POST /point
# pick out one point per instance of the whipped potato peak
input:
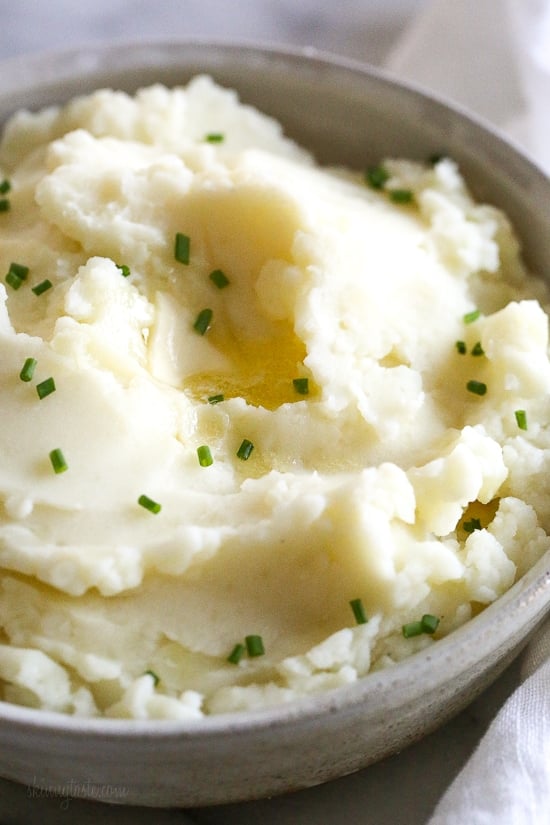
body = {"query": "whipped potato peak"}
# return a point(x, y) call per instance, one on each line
point(266, 426)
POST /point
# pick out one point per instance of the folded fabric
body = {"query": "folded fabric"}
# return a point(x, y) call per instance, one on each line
point(507, 780)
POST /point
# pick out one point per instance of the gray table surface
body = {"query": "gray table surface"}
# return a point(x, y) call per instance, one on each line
point(403, 789)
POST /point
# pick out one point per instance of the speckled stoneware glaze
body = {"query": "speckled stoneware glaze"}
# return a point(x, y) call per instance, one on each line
point(346, 114)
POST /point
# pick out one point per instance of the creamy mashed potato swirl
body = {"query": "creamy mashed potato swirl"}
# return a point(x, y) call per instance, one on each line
point(265, 427)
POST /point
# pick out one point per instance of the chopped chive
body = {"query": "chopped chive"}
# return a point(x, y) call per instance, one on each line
point(45, 388)
point(461, 347)
point(43, 286)
point(16, 275)
point(27, 371)
point(254, 645)
point(153, 675)
point(214, 137)
point(469, 317)
point(203, 321)
point(219, 278)
point(215, 399)
point(412, 629)
point(148, 504)
point(401, 196)
point(182, 248)
point(13, 280)
point(477, 387)
point(376, 177)
point(477, 349)
point(429, 623)
point(5, 186)
point(245, 450)
point(521, 419)
point(204, 456)
point(124, 269)
point(19, 269)
point(471, 525)
point(301, 385)
point(4, 205)
point(236, 654)
point(358, 611)
point(58, 461)
point(436, 158)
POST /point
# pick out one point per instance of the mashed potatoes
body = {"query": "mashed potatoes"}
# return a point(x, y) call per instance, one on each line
point(265, 426)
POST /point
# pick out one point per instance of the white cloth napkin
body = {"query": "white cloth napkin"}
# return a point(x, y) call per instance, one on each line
point(493, 57)
point(507, 780)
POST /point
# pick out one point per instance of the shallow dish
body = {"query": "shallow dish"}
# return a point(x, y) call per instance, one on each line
point(346, 114)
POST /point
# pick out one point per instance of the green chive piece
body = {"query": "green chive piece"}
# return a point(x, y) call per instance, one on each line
point(412, 629)
point(236, 654)
point(521, 419)
point(124, 269)
point(58, 461)
point(27, 371)
point(153, 675)
point(182, 248)
point(4, 205)
point(477, 349)
point(19, 269)
point(148, 504)
point(215, 399)
point(477, 387)
point(16, 275)
point(5, 186)
point(469, 317)
point(13, 280)
point(377, 177)
point(204, 456)
point(471, 525)
point(254, 645)
point(43, 286)
point(429, 623)
point(219, 278)
point(214, 137)
point(358, 611)
point(461, 347)
point(203, 321)
point(245, 450)
point(401, 196)
point(301, 385)
point(45, 388)
point(436, 158)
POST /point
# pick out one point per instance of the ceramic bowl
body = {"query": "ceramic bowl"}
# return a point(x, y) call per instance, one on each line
point(347, 114)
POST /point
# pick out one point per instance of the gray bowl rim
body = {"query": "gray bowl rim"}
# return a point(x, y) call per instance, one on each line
point(484, 632)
